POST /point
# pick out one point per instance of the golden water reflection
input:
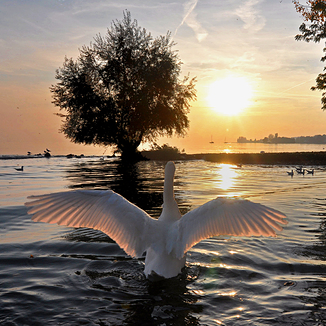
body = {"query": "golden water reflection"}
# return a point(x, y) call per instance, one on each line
point(228, 175)
point(227, 294)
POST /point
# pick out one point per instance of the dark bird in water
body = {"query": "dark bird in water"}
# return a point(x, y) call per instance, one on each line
point(291, 173)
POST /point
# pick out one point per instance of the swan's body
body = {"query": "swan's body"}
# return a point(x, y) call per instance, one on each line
point(165, 240)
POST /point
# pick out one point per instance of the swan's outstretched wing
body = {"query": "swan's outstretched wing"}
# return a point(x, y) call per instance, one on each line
point(224, 216)
point(125, 223)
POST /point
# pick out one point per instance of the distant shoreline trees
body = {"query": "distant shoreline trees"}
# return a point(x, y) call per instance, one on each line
point(123, 89)
point(275, 139)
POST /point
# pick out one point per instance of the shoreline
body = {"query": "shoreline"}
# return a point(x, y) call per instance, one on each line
point(291, 158)
point(274, 158)
point(283, 158)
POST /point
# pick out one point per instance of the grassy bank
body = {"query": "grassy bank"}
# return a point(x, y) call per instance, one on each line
point(296, 158)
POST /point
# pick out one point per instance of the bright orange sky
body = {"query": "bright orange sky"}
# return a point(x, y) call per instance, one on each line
point(247, 44)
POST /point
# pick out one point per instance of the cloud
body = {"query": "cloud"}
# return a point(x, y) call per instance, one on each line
point(190, 18)
point(188, 9)
point(250, 16)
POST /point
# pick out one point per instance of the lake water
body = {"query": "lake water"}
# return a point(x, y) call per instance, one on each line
point(257, 147)
point(51, 275)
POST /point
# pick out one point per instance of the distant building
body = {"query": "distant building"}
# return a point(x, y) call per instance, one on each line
point(275, 139)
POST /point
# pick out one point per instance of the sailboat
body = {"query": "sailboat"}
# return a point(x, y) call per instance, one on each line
point(211, 142)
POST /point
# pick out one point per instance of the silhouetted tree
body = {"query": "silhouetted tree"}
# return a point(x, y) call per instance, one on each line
point(123, 89)
point(314, 12)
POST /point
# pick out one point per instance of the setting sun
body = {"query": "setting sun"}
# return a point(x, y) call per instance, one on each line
point(230, 95)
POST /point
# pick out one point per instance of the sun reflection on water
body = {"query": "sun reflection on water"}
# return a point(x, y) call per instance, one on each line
point(227, 294)
point(228, 176)
point(221, 265)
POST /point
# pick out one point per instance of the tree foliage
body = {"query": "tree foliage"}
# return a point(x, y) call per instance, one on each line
point(314, 29)
point(123, 89)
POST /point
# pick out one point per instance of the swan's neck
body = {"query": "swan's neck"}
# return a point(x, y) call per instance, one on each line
point(168, 194)
point(170, 207)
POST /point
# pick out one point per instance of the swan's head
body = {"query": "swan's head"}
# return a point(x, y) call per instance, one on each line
point(169, 170)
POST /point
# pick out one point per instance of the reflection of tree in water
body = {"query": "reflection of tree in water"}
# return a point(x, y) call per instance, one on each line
point(141, 183)
point(129, 180)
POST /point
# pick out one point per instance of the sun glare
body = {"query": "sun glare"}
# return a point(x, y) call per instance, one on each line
point(230, 95)
point(228, 175)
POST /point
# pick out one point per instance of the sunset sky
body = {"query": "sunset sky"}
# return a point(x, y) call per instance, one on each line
point(244, 49)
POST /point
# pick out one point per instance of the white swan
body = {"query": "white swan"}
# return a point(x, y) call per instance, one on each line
point(165, 240)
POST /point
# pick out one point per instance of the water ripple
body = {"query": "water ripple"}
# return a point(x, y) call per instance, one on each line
point(51, 275)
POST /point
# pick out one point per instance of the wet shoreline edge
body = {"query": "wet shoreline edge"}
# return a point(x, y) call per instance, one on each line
point(265, 158)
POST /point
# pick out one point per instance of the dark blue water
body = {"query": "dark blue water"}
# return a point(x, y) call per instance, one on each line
point(51, 275)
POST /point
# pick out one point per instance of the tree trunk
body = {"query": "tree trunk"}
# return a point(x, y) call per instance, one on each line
point(129, 151)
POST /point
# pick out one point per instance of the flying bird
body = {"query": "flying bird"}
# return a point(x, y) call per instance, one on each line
point(165, 240)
